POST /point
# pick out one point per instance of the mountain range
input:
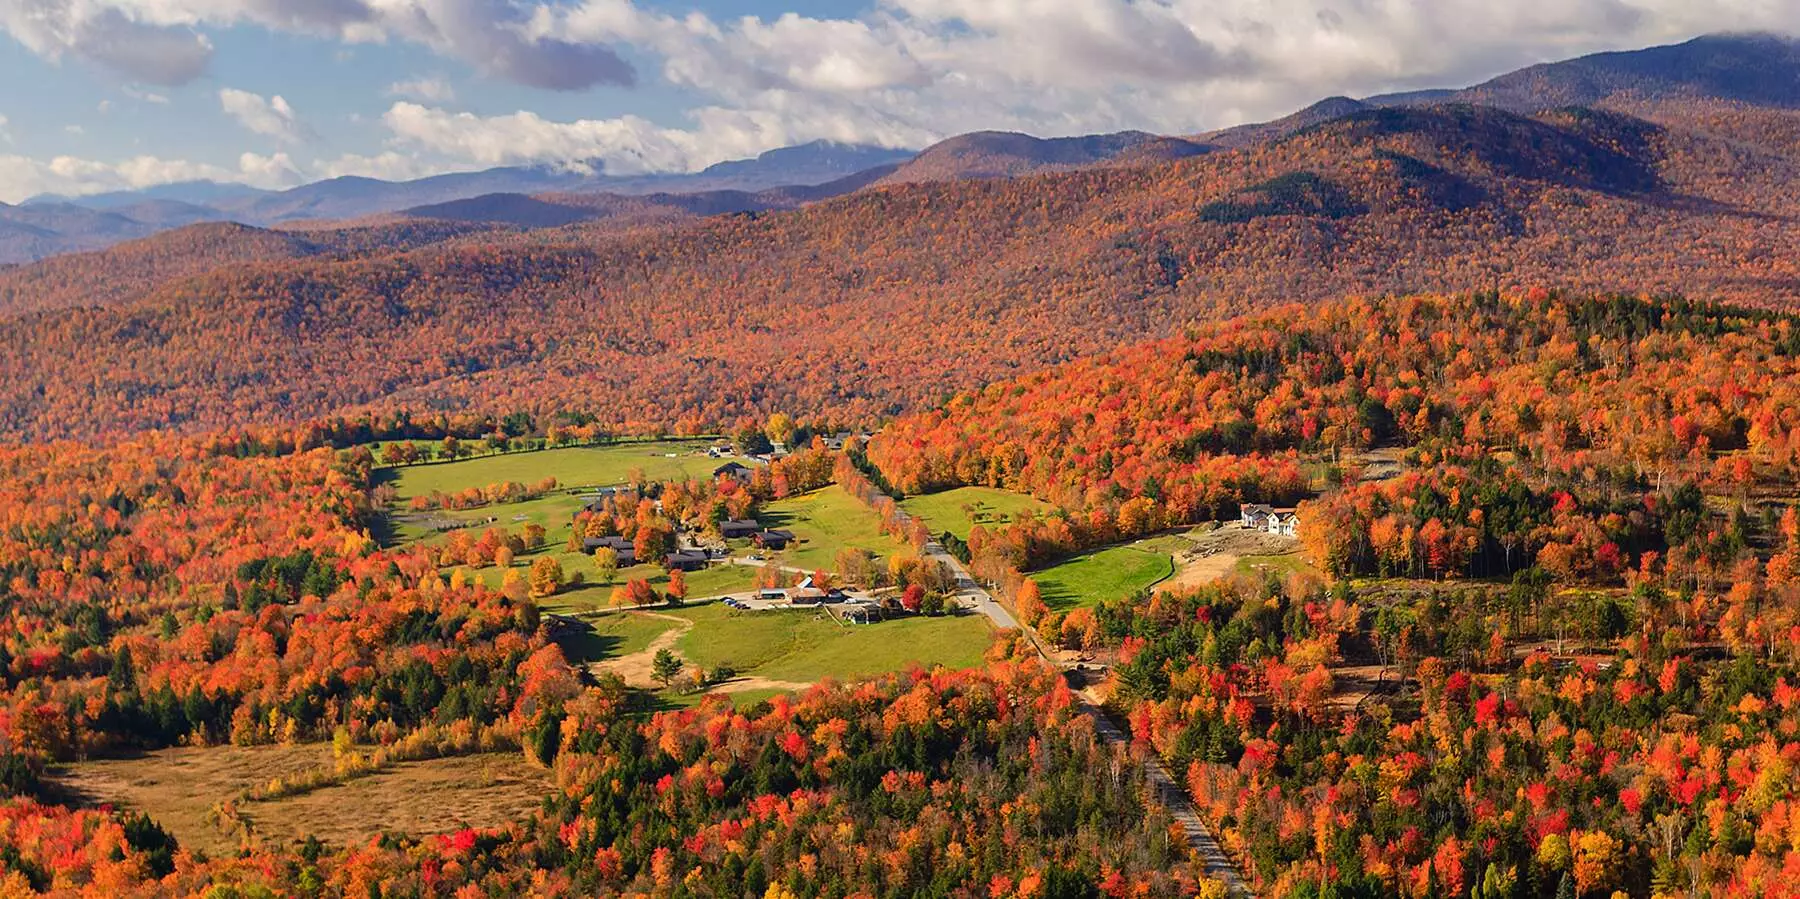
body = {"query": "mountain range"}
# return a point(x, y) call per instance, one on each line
point(47, 225)
point(1758, 70)
point(872, 295)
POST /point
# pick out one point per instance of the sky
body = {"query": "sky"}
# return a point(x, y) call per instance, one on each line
point(101, 95)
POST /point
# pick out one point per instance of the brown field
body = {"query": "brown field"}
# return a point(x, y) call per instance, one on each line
point(1214, 553)
point(178, 787)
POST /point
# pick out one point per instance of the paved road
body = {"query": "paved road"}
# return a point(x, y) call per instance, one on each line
point(1168, 791)
point(968, 591)
point(1218, 865)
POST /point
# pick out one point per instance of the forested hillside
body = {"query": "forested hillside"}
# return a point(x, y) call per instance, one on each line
point(888, 299)
point(1540, 639)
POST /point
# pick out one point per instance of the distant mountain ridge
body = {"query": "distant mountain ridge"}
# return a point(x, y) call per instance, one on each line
point(1757, 70)
point(1754, 69)
point(51, 225)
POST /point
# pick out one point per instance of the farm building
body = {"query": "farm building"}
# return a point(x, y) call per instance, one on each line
point(807, 596)
point(1283, 522)
point(623, 548)
point(739, 529)
point(737, 471)
point(774, 539)
point(1255, 515)
point(685, 560)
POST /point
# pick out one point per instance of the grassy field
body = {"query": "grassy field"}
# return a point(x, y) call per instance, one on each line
point(826, 521)
point(552, 512)
point(571, 467)
point(178, 787)
point(613, 636)
point(1110, 573)
point(595, 595)
point(959, 510)
point(806, 646)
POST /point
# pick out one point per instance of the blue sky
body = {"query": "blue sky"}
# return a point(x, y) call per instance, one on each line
point(113, 94)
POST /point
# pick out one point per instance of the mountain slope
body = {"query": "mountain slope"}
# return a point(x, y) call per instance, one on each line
point(883, 300)
point(1000, 154)
point(133, 269)
point(1758, 69)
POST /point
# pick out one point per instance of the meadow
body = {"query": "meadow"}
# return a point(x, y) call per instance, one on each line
point(804, 646)
point(827, 521)
point(959, 511)
point(577, 466)
point(1110, 573)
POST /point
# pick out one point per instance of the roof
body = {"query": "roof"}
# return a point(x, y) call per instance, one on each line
point(731, 468)
point(1250, 508)
point(778, 534)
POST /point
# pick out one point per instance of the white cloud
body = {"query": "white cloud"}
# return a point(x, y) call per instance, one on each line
point(897, 72)
point(271, 117)
point(146, 96)
point(22, 177)
point(388, 166)
point(431, 89)
point(161, 41)
point(630, 144)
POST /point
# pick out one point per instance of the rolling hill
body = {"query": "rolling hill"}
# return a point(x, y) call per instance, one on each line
point(886, 299)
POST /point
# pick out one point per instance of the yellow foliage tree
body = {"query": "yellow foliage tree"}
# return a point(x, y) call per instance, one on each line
point(546, 576)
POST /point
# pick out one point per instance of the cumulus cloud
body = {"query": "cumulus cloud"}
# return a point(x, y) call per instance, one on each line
point(105, 35)
point(271, 117)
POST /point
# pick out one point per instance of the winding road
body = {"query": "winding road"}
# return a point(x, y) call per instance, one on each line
point(1217, 864)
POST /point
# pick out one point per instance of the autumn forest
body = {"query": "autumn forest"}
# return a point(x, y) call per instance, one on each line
point(1398, 499)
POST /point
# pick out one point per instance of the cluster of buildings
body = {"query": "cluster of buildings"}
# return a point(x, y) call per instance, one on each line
point(1280, 522)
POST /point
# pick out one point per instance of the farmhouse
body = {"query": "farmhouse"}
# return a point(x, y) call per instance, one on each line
point(623, 548)
point(737, 471)
point(738, 529)
point(1255, 515)
point(775, 540)
point(685, 560)
point(1283, 522)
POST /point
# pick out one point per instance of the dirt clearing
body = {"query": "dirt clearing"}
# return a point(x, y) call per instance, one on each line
point(1215, 553)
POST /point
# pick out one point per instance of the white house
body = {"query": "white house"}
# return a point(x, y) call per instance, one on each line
point(1255, 515)
point(1283, 522)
